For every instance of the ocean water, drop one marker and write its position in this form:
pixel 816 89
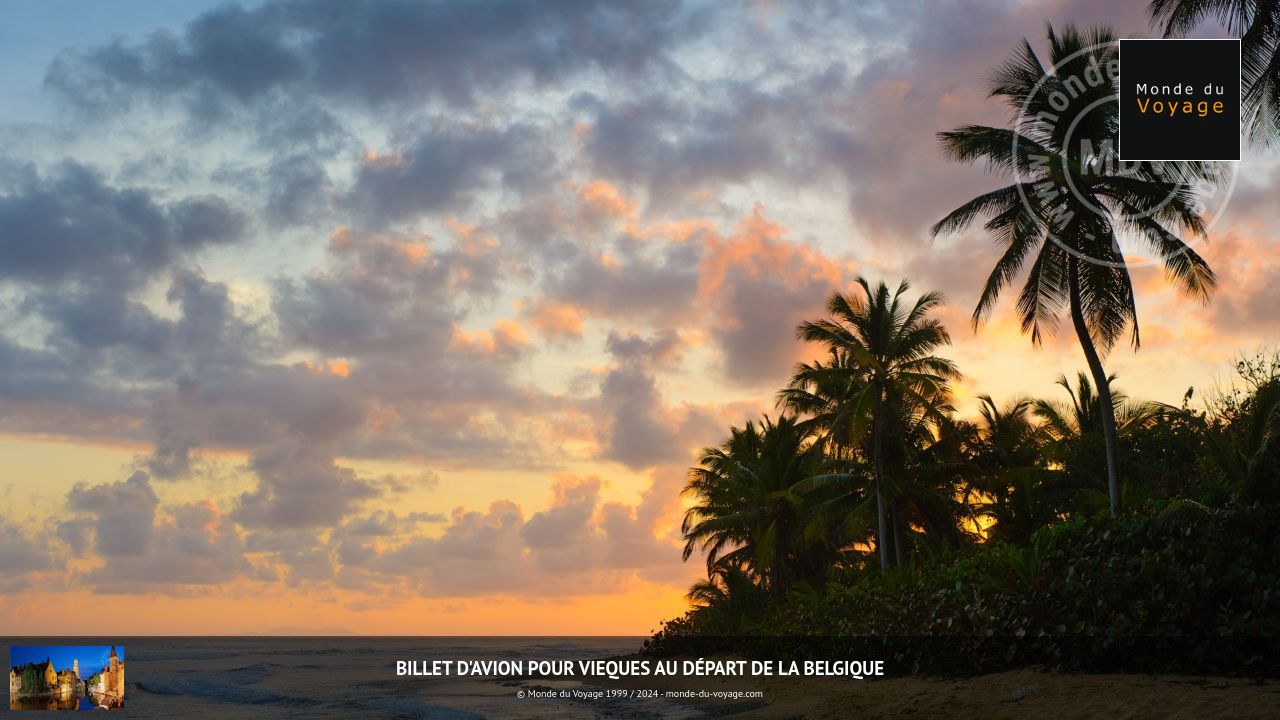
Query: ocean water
pixel 233 678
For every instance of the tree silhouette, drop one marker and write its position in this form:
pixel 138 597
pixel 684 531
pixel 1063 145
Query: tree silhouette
pixel 883 369
pixel 1070 201
pixel 1257 24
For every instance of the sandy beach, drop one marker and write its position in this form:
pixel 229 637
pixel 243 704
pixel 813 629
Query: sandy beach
pixel 1016 694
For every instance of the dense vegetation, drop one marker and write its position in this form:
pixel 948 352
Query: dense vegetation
pixel 1084 531
pixel 1005 551
pixel 33 679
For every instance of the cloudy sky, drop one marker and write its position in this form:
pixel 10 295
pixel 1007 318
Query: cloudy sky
pixel 401 317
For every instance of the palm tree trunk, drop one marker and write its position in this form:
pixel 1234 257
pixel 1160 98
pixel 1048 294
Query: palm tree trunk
pixel 882 511
pixel 1106 409
pixel 899 548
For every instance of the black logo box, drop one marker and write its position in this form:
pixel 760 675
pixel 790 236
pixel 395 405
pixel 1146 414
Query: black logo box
pixel 1187 63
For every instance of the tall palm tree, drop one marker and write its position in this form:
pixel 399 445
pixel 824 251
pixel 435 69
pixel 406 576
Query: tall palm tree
pixel 883 346
pixel 747 513
pixel 1070 200
pixel 823 394
pixel 1257 24
pixel 924 472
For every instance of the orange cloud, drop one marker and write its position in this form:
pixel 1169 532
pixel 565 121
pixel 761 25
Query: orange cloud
pixel 471 241
pixel 331 366
pixel 555 320
pixel 758 286
pixel 604 198
pixel 375 159
pixel 758 249
pixel 506 338
pixel 413 251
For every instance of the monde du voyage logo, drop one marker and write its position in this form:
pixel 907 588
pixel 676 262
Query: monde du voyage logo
pixel 1179 100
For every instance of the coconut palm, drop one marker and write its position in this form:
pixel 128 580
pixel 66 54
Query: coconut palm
pixel 727 597
pixel 1007 438
pixel 928 476
pixel 1257 24
pixel 1069 202
pixel 882 346
pixel 1009 470
pixel 1082 416
pixel 747 513
pixel 1073 430
pixel 925 466
pixel 823 395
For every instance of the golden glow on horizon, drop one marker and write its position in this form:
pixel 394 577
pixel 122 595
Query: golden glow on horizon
pixel 634 610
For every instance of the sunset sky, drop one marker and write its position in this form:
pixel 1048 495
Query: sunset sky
pixel 92 658
pixel 408 318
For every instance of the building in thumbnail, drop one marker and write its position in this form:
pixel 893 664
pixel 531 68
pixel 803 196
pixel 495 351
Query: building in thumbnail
pixel 111 680
pixel 69 679
pixel 41 677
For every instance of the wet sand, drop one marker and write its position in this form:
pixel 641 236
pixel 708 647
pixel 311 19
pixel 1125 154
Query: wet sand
pixel 1016 694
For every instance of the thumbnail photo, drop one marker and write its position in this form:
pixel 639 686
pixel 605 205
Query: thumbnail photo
pixel 66 677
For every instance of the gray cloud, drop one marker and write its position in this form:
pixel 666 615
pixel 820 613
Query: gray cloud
pixel 297 191
pixel 124 514
pixel 592 547
pixel 720 132
pixel 660 350
pixel 638 433
pixel 647 284
pixel 356 541
pixel 442 167
pixel 761 285
pixel 479 552
pixel 194 545
pixel 145 546
pixel 382 293
pixel 105 358
pixel 21 555
pixel 300 486
pixel 71 225
pixel 565 525
pixel 390 51
pixel 76 252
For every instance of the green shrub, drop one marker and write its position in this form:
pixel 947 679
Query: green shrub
pixel 1181 588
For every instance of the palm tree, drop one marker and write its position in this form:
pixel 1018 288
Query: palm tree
pixel 1073 429
pixel 823 394
pixel 882 346
pixel 748 514
pixel 1009 469
pixel 928 476
pixel 1007 437
pixel 727 598
pixel 1257 24
pixel 1082 416
pixel 1069 202
pixel 925 467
